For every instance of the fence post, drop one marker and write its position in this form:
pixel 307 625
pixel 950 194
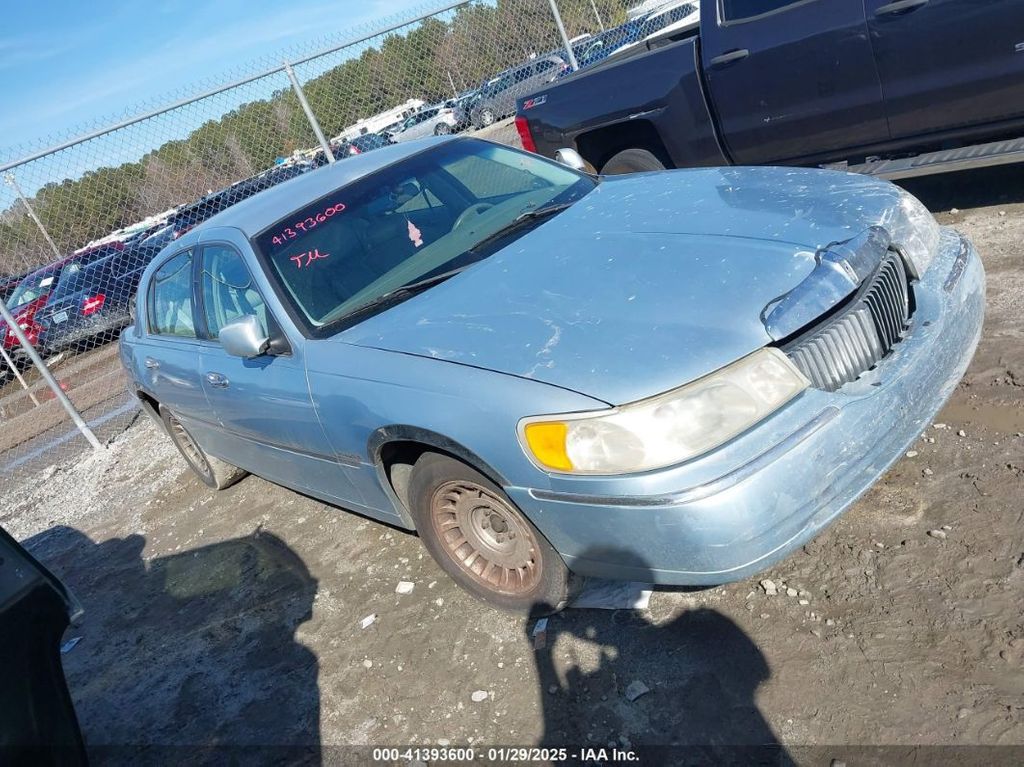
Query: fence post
pixel 565 38
pixel 9 178
pixel 48 377
pixel 17 373
pixel 328 152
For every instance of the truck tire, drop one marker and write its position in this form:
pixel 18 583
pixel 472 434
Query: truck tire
pixel 631 161
pixel 483 542
pixel 212 471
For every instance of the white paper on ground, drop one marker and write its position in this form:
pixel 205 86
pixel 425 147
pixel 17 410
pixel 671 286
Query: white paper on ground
pixel 600 594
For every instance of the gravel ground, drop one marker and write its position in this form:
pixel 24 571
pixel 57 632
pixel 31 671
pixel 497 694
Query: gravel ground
pixel 235 617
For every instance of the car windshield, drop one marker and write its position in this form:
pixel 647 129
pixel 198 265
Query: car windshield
pixel 32 287
pixel 438 211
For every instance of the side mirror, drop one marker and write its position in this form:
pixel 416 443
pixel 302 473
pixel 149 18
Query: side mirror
pixel 574 160
pixel 244 338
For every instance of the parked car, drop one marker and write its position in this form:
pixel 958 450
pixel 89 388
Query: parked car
pixel 737 91
pixel 437 120
pixel 8 284
pixel 32 293
pixel 677 17
pixel 89 303
pixel 497 99
pixel 548 374
pixel 39 725
pixel 598 47
pixel 365 143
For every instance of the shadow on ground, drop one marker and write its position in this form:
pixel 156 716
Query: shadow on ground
pixel 632 683
pixel 191 649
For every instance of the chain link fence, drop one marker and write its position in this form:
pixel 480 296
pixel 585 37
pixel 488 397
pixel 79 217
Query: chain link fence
pixel 80 222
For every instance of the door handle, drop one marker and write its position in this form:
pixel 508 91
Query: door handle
pixel 730 57
pixel 900 6
pixel 151 363
pixel 216 379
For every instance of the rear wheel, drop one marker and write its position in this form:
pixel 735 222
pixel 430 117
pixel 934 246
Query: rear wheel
pixel 486 117
pixel 478 536
pixel 212 471
pixel 442 129
pixel 632 161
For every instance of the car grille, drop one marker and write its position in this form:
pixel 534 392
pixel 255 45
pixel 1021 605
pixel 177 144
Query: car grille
pixel 853 340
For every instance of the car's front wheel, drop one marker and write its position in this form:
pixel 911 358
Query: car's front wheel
pixel 212 471
pixel 442 129
pixel 479 537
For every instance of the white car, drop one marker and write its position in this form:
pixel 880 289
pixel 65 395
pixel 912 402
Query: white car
pixel 430 121
pixel 672 18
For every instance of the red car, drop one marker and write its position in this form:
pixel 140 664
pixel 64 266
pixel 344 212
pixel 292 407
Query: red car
pixel 33 291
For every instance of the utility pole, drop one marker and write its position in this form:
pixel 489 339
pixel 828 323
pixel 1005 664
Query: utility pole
pixel 565 38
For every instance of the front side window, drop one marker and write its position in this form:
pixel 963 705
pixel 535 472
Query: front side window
pixel 228 290
pixel 170 298
pixel 438 211
pixel 735 10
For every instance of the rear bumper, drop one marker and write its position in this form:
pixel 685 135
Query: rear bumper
pixel 785 489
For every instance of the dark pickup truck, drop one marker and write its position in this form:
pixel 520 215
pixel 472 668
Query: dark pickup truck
pixel 893 89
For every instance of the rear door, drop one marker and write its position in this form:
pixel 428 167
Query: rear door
pixel 791 79
pixel 946 64
pixel 268 423
pixel 169 347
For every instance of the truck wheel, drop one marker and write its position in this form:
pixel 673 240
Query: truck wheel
pixel 487 546
pixel 486 117
pixel 442 129
pixel 631 161
pixel 212 471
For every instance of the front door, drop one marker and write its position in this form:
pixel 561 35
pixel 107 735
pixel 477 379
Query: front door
pixel 268 423
pixel 946 64
pixel 791 79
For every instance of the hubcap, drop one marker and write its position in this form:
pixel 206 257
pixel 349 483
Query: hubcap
pixel 486 537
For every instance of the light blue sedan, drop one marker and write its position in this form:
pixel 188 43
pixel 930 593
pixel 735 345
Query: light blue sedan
pixel 679 376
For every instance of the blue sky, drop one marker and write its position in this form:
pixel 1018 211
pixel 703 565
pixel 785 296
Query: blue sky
pixel 66 64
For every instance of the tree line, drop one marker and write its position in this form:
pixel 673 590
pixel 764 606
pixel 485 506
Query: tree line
pixel 423 60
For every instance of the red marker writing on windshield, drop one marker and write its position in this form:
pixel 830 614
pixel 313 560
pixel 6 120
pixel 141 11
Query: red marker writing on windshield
pixel 309 257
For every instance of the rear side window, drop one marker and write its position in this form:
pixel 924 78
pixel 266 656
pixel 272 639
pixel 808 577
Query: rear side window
pixel 170 298
pixel 734 10
pixel 228 290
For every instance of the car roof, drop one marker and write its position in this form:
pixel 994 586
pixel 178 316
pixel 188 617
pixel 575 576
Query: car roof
pixel 256 213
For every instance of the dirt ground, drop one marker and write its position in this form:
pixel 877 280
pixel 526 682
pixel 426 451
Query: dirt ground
pixel 235 617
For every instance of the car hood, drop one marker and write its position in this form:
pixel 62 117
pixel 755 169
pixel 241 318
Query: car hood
pixel 647 283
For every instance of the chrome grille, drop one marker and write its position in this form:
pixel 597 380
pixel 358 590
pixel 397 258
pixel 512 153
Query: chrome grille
pixel 852 341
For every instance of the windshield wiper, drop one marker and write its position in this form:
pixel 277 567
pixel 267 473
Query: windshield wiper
pixel 401 292
pixel 523 218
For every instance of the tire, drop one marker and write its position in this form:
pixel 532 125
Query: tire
pixel 442 129
pixel 212 471
pixel 632 161
pixel 486 117
pixel 487 546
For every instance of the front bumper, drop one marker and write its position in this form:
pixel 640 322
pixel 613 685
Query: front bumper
pixel 747 505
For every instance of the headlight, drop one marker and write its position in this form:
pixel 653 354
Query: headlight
pixel 914 231
pixel 668 428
